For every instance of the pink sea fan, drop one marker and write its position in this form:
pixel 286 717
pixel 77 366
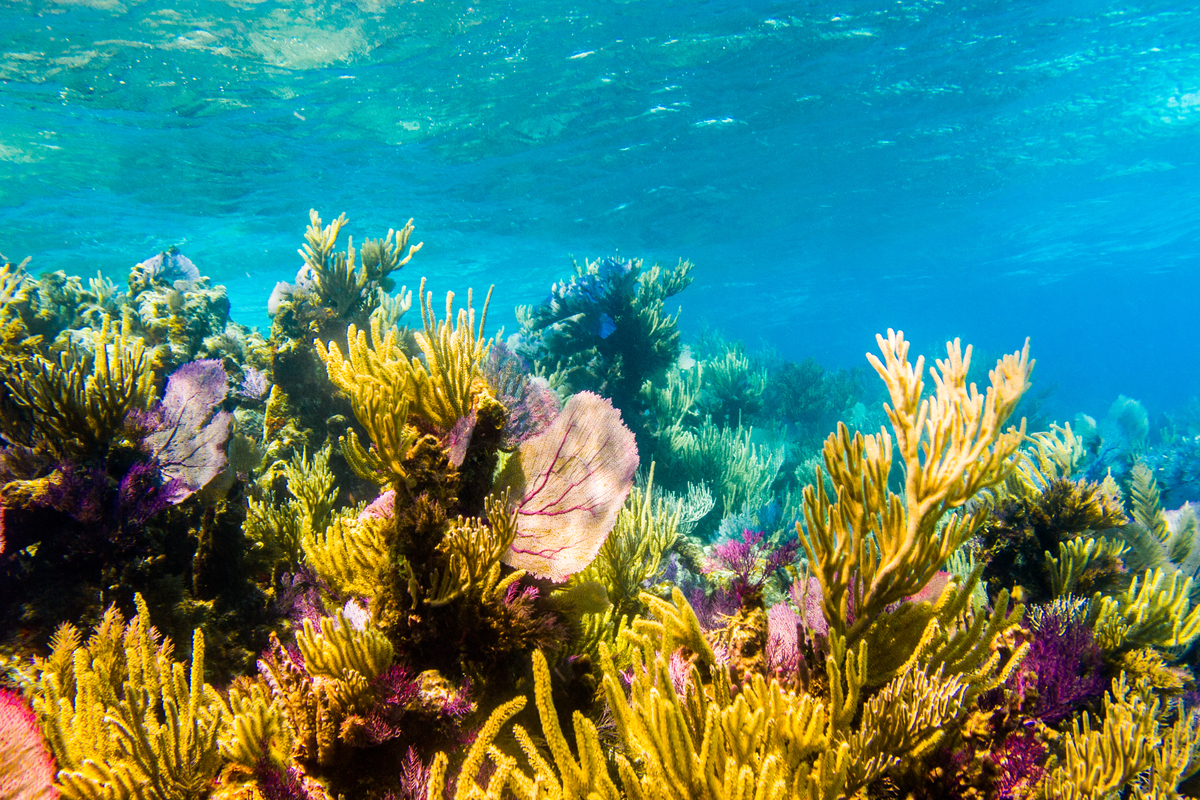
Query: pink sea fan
pixel 382 507
pixel 571 481
pixel 783 638
pixel 26 769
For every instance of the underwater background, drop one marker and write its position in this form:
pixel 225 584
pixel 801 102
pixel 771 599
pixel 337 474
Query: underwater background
pixel 988 170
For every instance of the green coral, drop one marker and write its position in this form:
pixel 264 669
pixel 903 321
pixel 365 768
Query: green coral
pixel 630 557
pixel 341 285
pixel 1147 509
pixel 568 334
pixel 124 720
pixel 1080 560
pixel 1155 610
pixel 278 530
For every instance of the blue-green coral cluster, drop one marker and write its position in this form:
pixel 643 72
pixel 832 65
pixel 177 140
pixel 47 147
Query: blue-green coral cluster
pixel 404 563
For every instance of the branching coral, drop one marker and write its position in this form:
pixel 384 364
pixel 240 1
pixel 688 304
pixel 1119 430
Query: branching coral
pixel 739 471
pixel 606 329
pixel 1128 744
pixel 870 547
pixel 123 719
pixel 630 557
pixel 685 733
pixel 1021 529
pixel 1147 510
pixel 1154 610
pixel 384 384
pixel 1079 557
pixel 75 405
pixel 474 549
pixel 342 286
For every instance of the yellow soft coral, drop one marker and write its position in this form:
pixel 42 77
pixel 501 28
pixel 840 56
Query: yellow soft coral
pixel 870 547
pixel 123 719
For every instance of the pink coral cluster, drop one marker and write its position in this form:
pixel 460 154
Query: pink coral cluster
pixel 26 770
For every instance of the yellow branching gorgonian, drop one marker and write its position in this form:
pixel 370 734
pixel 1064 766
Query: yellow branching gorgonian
pixel 870 547
pixel 77 402
pixel 685 732
pixel 343 285
pixel 385 386
pixel 123 719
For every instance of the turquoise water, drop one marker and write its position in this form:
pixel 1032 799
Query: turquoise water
pixel 989 170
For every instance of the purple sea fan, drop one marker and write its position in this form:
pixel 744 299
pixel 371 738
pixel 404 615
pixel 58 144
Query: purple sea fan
pixel 26 769
pixel 167 267
pixel 571 481
pixel 532 405
pixel 1065 665
pixel 189 439
pixel 1020 763
pixel 254 385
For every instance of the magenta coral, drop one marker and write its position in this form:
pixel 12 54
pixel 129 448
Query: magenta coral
pixel 752 561
pixel 26 769
pixel 571 481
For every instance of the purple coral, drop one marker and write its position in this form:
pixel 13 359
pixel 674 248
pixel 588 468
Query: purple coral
pixel 752 561
pixel 167 267
pixel 532 405
pixel 1020 763
pixel 396 689
pixel 112 513
pixel 254 385
pixel 806 594
pixel 188 434
pixel 458 438
pixel 414 777
pixel 1065 666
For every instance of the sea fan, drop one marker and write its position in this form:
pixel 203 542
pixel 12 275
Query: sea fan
pixel 571 481
pixel 187 437
pixel 26 770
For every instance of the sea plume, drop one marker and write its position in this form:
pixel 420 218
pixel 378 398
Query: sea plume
pixel 571 481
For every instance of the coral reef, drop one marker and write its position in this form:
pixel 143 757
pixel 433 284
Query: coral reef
pixel 401 564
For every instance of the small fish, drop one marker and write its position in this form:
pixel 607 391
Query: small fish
pixel 605 326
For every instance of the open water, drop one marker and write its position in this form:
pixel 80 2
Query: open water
pixel 984 169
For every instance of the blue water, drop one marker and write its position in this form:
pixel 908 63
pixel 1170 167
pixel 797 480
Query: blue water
pixel 989 170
